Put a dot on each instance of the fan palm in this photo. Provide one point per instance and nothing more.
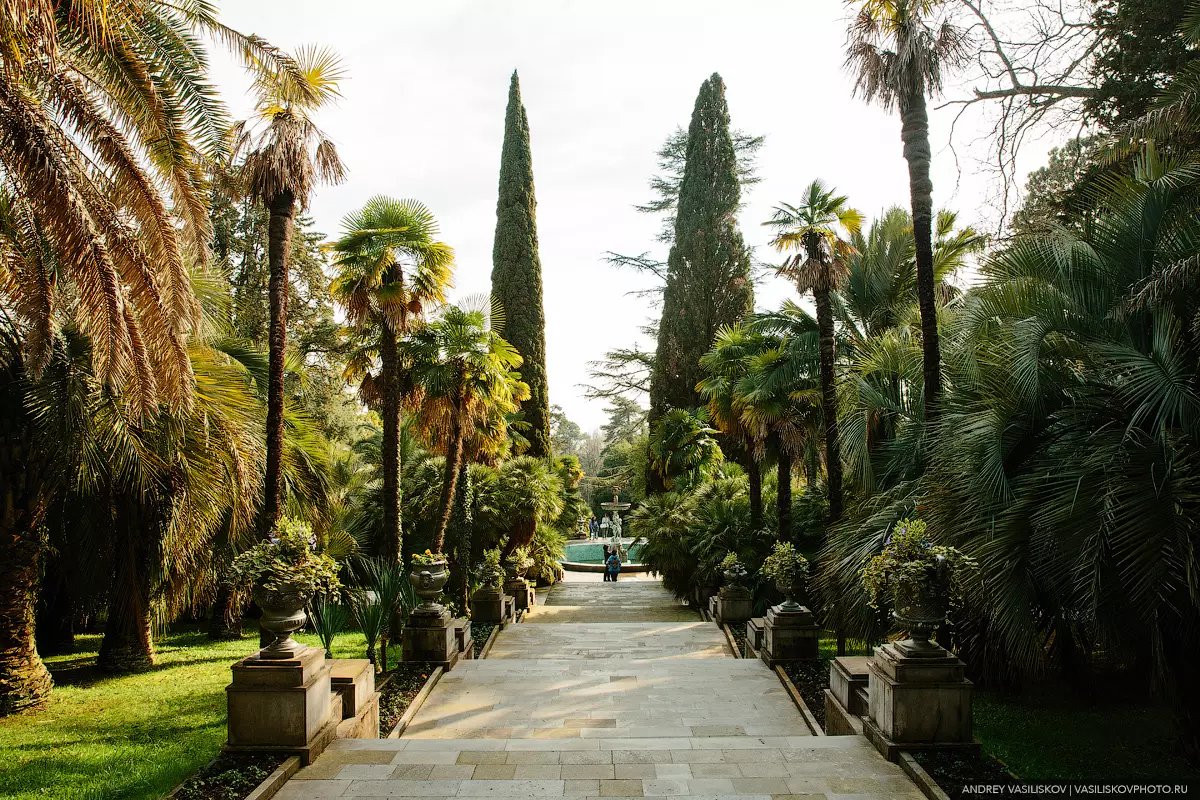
(881, 330)
(898, 53)
(461, 370)
(682, 446)
(1066, 455)
(724, 367)
(779, 399)
(389, 268)
(821, 262)
(285, 155)
(527, 493)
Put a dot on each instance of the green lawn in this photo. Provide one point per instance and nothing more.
(135, 736)
(1052, 736)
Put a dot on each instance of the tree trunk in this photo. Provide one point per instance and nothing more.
(454, 453)
(56, 612)
(24, 680)
(914, 131)
(225, 620)
(279, 245)
(783, 496)
(754, 477)
(393, 543)
(833, 456)
(127, 644)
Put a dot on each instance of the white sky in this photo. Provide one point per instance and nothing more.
(604, 83)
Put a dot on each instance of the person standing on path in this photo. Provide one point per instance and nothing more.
(607, 574)
(613, 563)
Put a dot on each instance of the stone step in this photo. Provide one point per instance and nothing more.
(726, 766)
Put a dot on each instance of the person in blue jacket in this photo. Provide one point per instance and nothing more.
(613, 562)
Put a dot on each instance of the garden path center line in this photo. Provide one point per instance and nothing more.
(607, 690)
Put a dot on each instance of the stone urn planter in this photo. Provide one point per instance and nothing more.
(283, 574)
(427, 581)
(735, 582)
(791, 590)
(926, 611)
(283, 614)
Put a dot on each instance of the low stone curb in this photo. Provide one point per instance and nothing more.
(733, 645)
(275, 781)
(794, 693)
(416, 703)
(921, 778)
(491, 640)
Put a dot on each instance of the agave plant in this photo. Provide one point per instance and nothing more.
(328, 619)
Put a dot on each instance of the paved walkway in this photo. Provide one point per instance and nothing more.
(635, 707)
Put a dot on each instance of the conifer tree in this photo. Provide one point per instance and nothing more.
(708, 270)
(517, 270)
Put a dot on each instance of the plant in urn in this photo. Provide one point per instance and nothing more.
(428, 575)
(284, 574)
(735, 576)
(917, 577)
(787, 567)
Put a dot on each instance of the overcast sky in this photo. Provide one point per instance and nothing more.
(604, 83)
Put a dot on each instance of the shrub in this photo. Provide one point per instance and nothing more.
(286, 563)
(905, 571)
(785, 566)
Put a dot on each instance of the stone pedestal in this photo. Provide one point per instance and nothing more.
(754, 633)
(354, 680)
(917, 702)
(789, 636)
(462, 638)
(283, 705)
(845, 699)
(430, 637)
(521, 592)
(489, 605)
(733, 605)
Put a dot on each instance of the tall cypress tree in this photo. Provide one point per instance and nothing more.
(517, 270)
(708, 270)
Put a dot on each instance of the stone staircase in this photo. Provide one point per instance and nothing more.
(619, 709)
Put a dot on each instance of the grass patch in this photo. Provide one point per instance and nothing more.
(1053, 736)
(132, 736)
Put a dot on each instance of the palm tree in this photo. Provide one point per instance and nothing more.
(390, 267)
(725, 366)
(898, 58)
(462, 370)
(285, 156)
(779, 398)
(820, 265)
(527, 493)
(880, 325)
(682, 446)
